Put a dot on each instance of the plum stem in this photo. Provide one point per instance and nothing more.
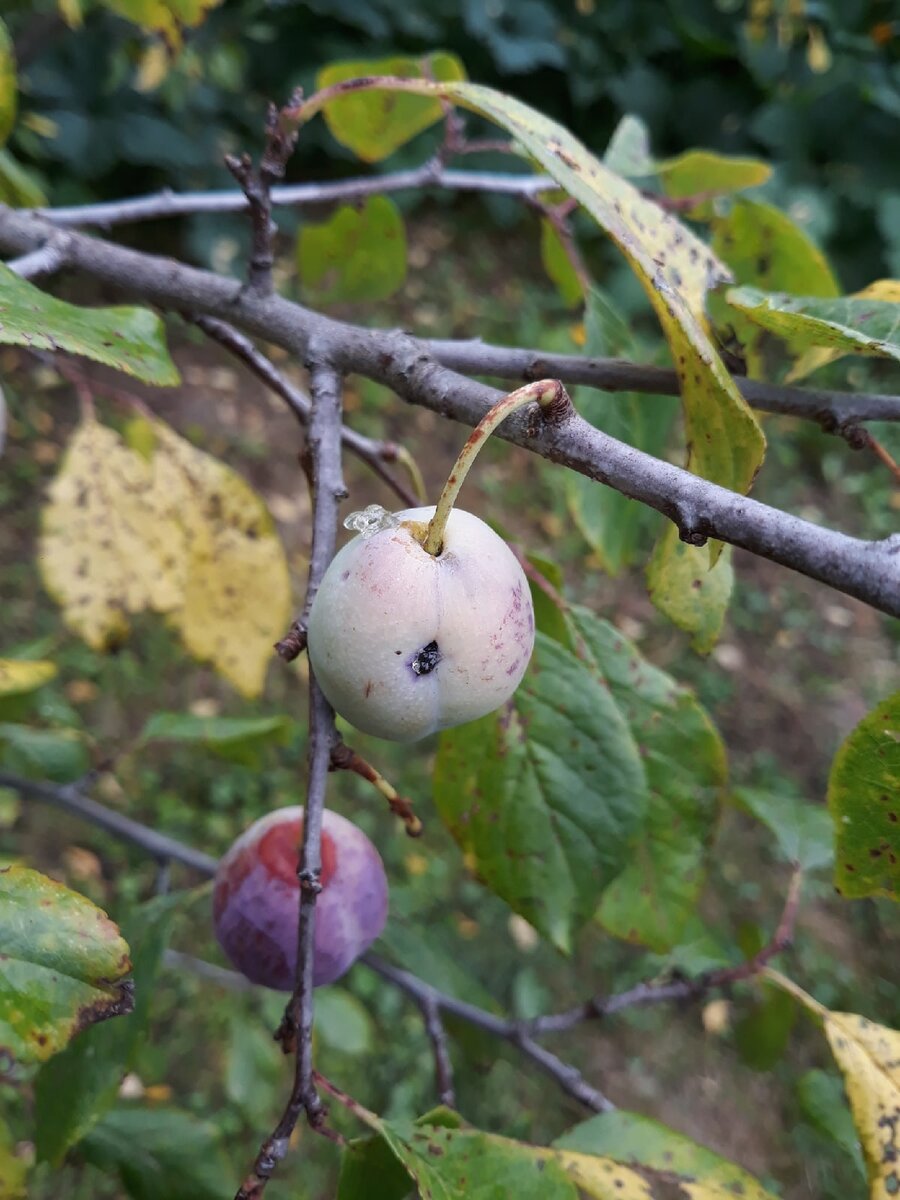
(343, 758)
(549, 394)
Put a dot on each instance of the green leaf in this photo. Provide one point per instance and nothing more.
(164, 16)
(762, 1034)
(546, 795)
(639, 1141)
(436, 960)
(674, 267)
(371, 1171)
(628, 152)
(803, 831)
(864, 800)
(822, 1099)
(549, 617)
(766, 249)
(13, 1169)
(63, 963)
(18, 188)
(559, 266)
(374, 127)
(236, 738)
(684, 760)
(848, 323)
(687, 590)
(253, 1075)
(8, 85)
(74, 1089)
(160, 1154)
(357, 254)
(130, 339)
(818, 356)
(342, 1022)
(18, 675)
(446, 1163)
(611, 523)
(698, 171)
(57, 754)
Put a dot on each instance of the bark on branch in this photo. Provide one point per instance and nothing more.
(868, 570)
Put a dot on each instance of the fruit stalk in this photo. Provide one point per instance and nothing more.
(547, 392)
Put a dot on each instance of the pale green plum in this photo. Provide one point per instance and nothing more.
(404, 643)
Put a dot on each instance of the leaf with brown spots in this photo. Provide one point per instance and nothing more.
(848, 324)
(643, 1144)
(675, 268)
(62, 965)
(548, 794)
(864, 800)
(237, 593)
(765, 248)
(869, 1058)
(820, 356)
(130, 339)
(111, 543)
(690, 592)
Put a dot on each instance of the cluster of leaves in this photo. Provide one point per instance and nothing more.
(124, 105)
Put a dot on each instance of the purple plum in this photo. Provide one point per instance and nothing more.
(255, 899)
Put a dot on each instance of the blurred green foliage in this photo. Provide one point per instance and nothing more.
(813, 87)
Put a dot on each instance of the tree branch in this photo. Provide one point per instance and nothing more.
(373, 453)
(72, 800)
(296, 1028)
(298, 195)
(568, 1078)
(868, 570)
(834, 411)
(437, 1035)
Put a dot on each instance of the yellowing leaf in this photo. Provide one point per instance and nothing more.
(374, 127)
(602, 1178)
(691, 593)
(819, 356)
(675, 268)
(869, 1057)
(110, 544)
(167, 17)
(237, 594)
(19, 675)
(12, 1168)
(8, 88)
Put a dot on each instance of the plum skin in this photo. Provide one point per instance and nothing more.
(256, 902)
(404, 643)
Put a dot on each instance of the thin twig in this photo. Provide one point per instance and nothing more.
(44, 261)
(256, 184)
(72, 800)
(882, 453)
(437, 1035)
(835, 411)
(295, 1033)
(298, 195)
(567, 1076)
(373, 453)
(343, 758)
(868, 570)
(645, 994)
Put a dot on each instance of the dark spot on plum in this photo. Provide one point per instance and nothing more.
(398, 651)
(346, 575)
(425, 660)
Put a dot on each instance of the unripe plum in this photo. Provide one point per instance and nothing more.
(256, 901)
(404, 643)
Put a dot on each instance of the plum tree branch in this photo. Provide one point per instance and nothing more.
(295, 1033)
(298, 195)
(373, 453)
(428, 998)
(868, 570)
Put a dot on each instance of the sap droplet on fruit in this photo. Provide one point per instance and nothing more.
(371, 520)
